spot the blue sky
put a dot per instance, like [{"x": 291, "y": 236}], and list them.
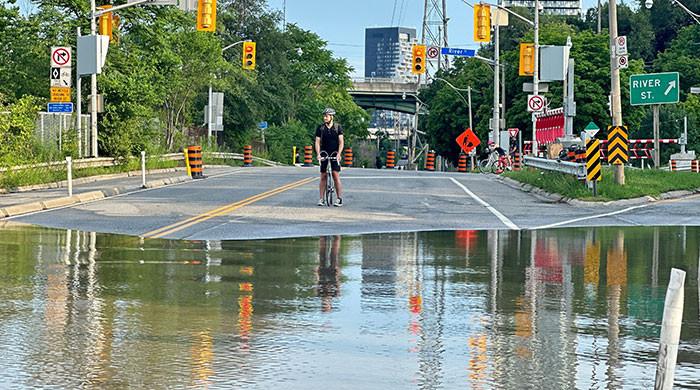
[{"x": 342, "y": 22}]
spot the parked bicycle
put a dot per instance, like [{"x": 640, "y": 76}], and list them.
[{"x": 330, "y": 185}]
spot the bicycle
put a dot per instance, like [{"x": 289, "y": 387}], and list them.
[
  {"x": 330, "y": 184},
  {"x": 494, "y": 164}
]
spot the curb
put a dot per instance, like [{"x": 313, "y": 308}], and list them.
[
  {"x": 676, "y": 194},
  {"x": 19, "y": 209}
]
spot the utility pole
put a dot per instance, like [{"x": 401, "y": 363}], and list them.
[
  {"x": 93, "y": 87},
  {"x": 78, "y": 108},
  {"x": 599, "y": 16},
  {"x": 615, "y": 101},
  {"x": 536, "y": 75},
  {"x": 495, "y": 127}
]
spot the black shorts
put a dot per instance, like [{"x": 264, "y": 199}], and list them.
[{"x": 335, "y": 166}]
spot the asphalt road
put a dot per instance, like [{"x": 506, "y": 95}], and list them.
[{"x": 253, "y": 203}]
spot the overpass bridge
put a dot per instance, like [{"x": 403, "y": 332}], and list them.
[{"x": 386, "y": 94}]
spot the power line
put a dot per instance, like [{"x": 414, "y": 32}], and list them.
[{"x": 393, "y": 12}]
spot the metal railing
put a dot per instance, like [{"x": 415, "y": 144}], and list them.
[
  {"x": 571, "y": 168},
  {"x": 110, "y": 161}
]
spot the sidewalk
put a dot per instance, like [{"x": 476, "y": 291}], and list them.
[{"x": 36, "y": 198}]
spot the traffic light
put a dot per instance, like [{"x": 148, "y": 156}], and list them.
[
  {"x": 206, "y": 15},
  {"x": 482, "y": 23},
  {"x": 527, "y": 59},
  {"x": 248, "y": 55},
  {"x": 105, "y": 23},
  {"x": 418, "y": 63}
]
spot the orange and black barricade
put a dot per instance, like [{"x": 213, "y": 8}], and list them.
[
  {"x": 674, "y": 165},
  {"x": 517, "y": 163},
  {"x": 430, "y": 161},
  {"x": 194, "y": 159},
  {"x": 308, "y": 156},
  {"x": 695, "y": 166},
  {"x": 390, "y": 159},
  {"x": 247, "y": 156},
  {"x": 348, "y": 157},
  {"x": 462, "y": 163}
]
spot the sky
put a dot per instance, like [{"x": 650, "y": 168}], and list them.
[{"x": 342, "y": 23}]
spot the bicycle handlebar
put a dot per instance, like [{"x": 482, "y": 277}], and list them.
[{"x": 324, "y": 156}]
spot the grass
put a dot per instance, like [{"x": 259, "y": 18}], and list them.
[
  {"x": 638, "y": 183},
  {"x": 25, "y": 177}
]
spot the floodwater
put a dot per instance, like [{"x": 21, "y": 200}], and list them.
[{"x": 564, "y": 308}]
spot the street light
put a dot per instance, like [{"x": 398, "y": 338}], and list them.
[{"x": 696, "y": 17}]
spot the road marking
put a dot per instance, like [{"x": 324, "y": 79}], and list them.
[
  {"x": 226, "y": 209},
  {"x": 116, "y": 196},
  {"x": 589, "y": 217},
  {"x": 495, "y": 212}
]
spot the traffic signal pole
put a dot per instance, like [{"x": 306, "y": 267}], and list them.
[
  {"x": 615, "y": 101},
  {"x": 496, "y": 127},
  {"x": 93, "y": 87}
]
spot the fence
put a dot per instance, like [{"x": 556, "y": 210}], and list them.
[{"x": 55, "y": 129}]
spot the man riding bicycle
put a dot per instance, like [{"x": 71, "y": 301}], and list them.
[
  {"x": 329, "y": 139},
  {"x": 503, "y": 157}
]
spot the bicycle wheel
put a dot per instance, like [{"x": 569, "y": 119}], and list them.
[{"x": 484, "y": 166}]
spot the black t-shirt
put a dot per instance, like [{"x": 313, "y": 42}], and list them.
[{"x": 330, "y": 138}]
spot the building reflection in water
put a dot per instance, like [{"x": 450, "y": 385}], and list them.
[{"x": 482, "y": 308}]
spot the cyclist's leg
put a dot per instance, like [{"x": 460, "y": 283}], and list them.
[{"x": 335, "y": 167}]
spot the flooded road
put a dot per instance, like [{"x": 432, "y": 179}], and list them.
[{"x": 559, "y": 308}]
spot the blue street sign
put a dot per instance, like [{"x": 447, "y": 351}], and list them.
[
  {"x": 59, "y": 107},
  {"x": 262, "y": 125},
  {"x": 451, "y": 51}
]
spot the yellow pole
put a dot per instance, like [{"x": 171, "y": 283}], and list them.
[
  {"x": 294, "y": 155},
  {"x": 187, "y": 163}
]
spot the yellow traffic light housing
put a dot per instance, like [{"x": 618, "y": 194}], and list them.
[
  {"x": 248, "y": 55},
  {"x": 206, "y": 15},
  {"x": 527, "y": 59},
  {"x": 105, "y": 23},
  {"x": 418, "y": 63},
  {"x": 482, "y": 23}
]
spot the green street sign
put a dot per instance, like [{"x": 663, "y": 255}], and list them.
[
  {"x": 654, "y": 88},
  {"x": 591, "y": 126}
]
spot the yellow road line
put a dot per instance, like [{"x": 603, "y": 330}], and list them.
[{"x": 157, "y": 233}]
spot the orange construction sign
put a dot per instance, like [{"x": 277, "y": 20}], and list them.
[{"x": 468, "y": 141}]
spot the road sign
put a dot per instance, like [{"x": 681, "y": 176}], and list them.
[
  {"x": 262, "y": 125},
  {"x": 654, "y": 88},
  {"x": 61, "y": 77},
  {"x": 59, "y": 107},
  {"x": 591, "y": 130},
  {"x": 541, "y": 88},
  {"x": 621, "y": 45},
  {"x": 60, "y": 94},
  {"x": 468, "y": 141},
  {"x": 535, "y": 103},
  {"x": 433, "y": 52},
  {"x": 451, "y": 51},
  {"x": 513, "y": 131},
  {"x": 622, "y": 62},
  {"x": 593, "y": 160},
  {"x": 60, "y": 56},
  {"x": 618, "y": 145}
]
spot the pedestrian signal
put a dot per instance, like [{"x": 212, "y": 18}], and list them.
[
  {"x": 206, "y": 15},
  {"x": 482, "y": 23}
]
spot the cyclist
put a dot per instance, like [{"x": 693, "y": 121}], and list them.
[
  {"x": 329, "y": 139},
  {"x": 503, "y": 157}
]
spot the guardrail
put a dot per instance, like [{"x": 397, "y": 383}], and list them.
[
  {"x": 571, "y": 168},
  {"x": 110, "y": 161}
]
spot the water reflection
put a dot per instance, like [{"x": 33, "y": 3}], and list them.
[{"x": 565, "y": 308}]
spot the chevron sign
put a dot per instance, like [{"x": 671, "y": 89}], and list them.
[{"x": 618, "y": 145}]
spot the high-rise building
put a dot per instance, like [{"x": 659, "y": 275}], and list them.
[
  {"x": 388, "y": 52},
  {"x": 388, "y": 56}
]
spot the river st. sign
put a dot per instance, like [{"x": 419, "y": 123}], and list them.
[{"x": 654, "y": 88}]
